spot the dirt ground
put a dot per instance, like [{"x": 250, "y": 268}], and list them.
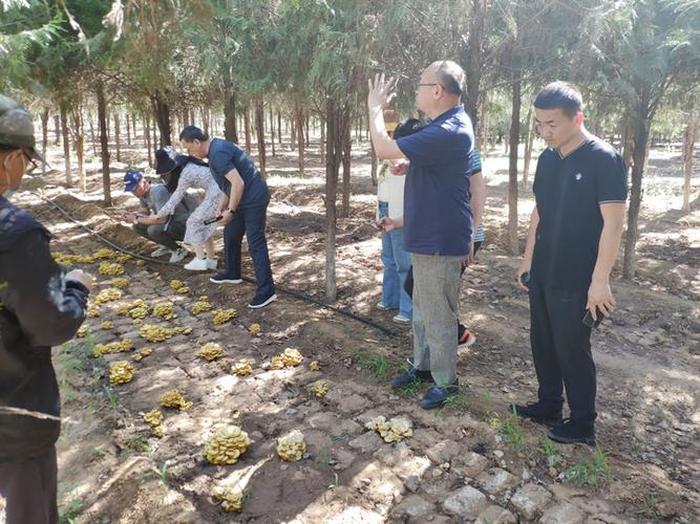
[{"x": 469, "y": 461}]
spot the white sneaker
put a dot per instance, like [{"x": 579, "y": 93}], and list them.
[
  {"x": 197, "y": 264},
  {"x": 162, "y": 250},
  {"x": 212, "y": 263},
  {"x": 177, "y": 255}
]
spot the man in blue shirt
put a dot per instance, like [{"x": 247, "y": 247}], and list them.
[
  {"x": 244, "y": 213},
  {"x": 437, "y": 218}
]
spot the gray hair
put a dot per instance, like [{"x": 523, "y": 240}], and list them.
[{"x": 450, "y": 75}]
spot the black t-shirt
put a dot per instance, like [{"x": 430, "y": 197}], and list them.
[{"x": 568, "y": 192}]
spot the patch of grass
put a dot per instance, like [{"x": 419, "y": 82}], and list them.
[
  {"x": 650, "y": 509},
  {"x": 163, "y": 474},
  {"x": 69, "y": 512},
  {"x": 137, "y": 443},
  {"x": 510, "y": 430},
  {"x": 410, "y": 390},
  {"x": 458, "y": 402},
  {"x": 323, "y": 457},
  {"x": 550, "y": 451},
  {"x": 377, "y": 364},
  {"x": 593, "y": 473},
  {"x": 111, "y": 397}
]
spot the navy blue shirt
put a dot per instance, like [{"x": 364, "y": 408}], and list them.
[
  {"x": 568, "y": 192},
  {"x": 225, "y": 156},
  {"x": 437, "y": 217}
]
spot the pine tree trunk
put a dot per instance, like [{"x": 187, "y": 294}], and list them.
[
  {"x": 272, "y": 133},
  {"x": 117, "y": 136},
  {"x": 293, "y": 135},
  {"x": 323, "y": 142},
  {"x": 279, "y": 128},
  {"x": 79, "y": 139},
  {"x": 66, "y": 145},
  {"x": 346, "y": 159},
  {"x": 246, "y": 123},
  {"x": 299, "y": 113},
  {"x": 147, "y": 137},
  {"x": 373, "y": 171},
  {"x": 333, "y": 148},
  {"x": 161, "y": 111},
  {"x": 230, "y": 127},
  {"x": 260, "y": 131},
  {"x": 513, "y": 244},
  {"x": 104, "y": 144},
  {"x": 205, "y": 120},
  {"x": 57, "y": 129},
  {"x": 44, "y": 136},
  {"x": 93, "y": 137},
  {"x": 133, "y": 126},
  {"x": 128, "y": 130},
  {"x": 641, "y": 144},
  {"x": 528, "y": 146},
  {"x": 483, "y": 129},
  {"x": 306, "y": 123},
  {"x": 473, "y": 60},
  {"x": 688, "y": 148},
  {"x": 154, "y": 141}
]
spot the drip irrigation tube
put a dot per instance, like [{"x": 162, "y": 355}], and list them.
[{"x": 291, "y": 292}]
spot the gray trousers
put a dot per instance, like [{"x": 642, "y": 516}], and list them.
[
  {"x": 29, "y": 490},
  {"x": 157, "y": 233},
  {"x": 435, "y": 315}
]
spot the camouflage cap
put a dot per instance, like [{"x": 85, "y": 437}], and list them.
[{"x": 16, "y": 127}]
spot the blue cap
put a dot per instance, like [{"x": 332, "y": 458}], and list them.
[{"x": 131, "y": 180}]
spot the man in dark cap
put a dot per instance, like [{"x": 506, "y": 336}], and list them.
[{"x": 41, "y": 305}]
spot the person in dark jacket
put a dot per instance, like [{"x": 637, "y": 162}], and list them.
[{"x": 41, "y": 305}]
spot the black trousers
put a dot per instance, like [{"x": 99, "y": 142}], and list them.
[
  {"x": 29, "y": 490},
  {"x": 561, "y": 350}
]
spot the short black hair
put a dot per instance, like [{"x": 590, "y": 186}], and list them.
[
  {"x": 192, "y": 133},
  {"x": 560, "y": 95}
]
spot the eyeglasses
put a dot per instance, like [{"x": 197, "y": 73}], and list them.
[{"x": 31, "y": 163}]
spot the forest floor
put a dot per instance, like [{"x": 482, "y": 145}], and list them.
[{"x": 470, "y": 460}]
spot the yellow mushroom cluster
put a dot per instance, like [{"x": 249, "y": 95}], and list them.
[
  {"x": 210, "y": 351},
  {"x": 176, "y": 284},
  {"x": 202, "y": 305},
  {"x": 140, "y": 263},
  {"x": 242, "y": 368},
  {"x": 70, "y": 260},
  {"x": 110, "y": 269},
  {"x": 118, "y": 346},
  {"x": 82, "y": 332},
  {"x": 226, "y": 445},
  {"x": 104, "y": 254},
  {"x": 231, "y": 498},
  {"x": 93, "y": 311},
  {"x": 154, "y": 333},
  {"x": 291, "y": 447},
  {"x": 393, "y": 430},
  {"x": 290, "y": 357},
  {"x": 121, "y": 372},
  {"x": 120, "y": 282},
  {"x": 254, "y": 329},
  {"x": 154, "y": 418},
  {"x": 141, "y": 354},
  {"x": 107, "y": 325},
  {"x": 320, "y": 388},
  {"x": 108, "y": 295},
  {"x": 125, "y": 310},
  {"x": 164, "y": 310},
  {"x": 174, "y": 399},
  {"x": 314, "y": 366},
  {"x": 221, "y": 316}
]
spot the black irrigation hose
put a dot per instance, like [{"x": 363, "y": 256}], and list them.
[{"x": 291, "y": 292}]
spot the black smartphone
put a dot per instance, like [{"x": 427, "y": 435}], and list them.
[
  {"x": 209, "y": 221},
  {"x": 525, "y": 278},
  {"x": 588, "y": 319}
]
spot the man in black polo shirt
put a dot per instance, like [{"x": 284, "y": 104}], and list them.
[{"x": 580, "y": 191}]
